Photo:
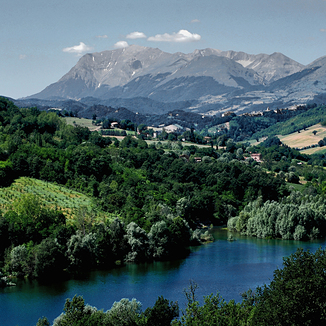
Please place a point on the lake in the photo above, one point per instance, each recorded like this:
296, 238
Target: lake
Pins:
229, 267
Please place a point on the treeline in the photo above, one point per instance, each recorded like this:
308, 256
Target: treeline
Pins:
38, 242
112, 132
295, 296
298, 217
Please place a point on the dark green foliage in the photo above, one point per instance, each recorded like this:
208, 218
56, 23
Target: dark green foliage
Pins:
296, 295
271, 141
243, 127
138, 241
50, 260
30, 221
43, 322
81, 252
6, 173
162, 313
160, 241
216, 311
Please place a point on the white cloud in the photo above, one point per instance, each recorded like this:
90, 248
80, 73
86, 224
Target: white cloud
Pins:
135, 35
323, 30
79, 49
195, 21
121, 44
22, 56
102, 36
182, 36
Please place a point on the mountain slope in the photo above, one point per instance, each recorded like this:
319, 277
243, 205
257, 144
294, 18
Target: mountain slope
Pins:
207, 80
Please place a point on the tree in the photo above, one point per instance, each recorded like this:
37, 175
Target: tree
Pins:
138, 241
81, 251
124, 313
162, 313
76, 313
50, 260
214, 311
142, 127
6, 173
18, 260
43, 322
314, 132
297, 293
180, 235
293, 177
159, 240
118, 240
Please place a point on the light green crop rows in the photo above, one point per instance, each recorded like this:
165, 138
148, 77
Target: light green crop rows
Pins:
52, 195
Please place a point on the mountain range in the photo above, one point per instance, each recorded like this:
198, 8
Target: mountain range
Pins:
149, 81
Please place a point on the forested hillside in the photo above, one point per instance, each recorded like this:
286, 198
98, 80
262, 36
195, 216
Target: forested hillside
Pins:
295, 124
150, 201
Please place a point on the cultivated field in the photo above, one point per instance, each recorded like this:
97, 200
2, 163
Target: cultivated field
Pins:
52, 195
314, 150
305, 137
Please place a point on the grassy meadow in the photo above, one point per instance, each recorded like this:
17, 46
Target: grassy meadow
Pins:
82, 122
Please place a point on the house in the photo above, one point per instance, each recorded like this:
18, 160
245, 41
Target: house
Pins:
256, 157
173, 128
114, 125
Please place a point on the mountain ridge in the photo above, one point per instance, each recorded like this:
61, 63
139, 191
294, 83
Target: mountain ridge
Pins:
209, 80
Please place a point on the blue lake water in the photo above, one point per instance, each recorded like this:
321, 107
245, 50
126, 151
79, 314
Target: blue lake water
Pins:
228, 267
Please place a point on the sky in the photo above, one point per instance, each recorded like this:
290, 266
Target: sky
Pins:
40, 40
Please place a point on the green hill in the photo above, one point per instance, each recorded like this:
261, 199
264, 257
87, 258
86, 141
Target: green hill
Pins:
295, 124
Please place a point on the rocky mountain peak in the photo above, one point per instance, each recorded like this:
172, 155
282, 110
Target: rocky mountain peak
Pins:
207, 80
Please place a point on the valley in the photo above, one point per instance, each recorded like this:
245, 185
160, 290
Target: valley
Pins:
107, 175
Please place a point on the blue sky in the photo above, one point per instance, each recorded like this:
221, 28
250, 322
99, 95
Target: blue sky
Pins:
42, 40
